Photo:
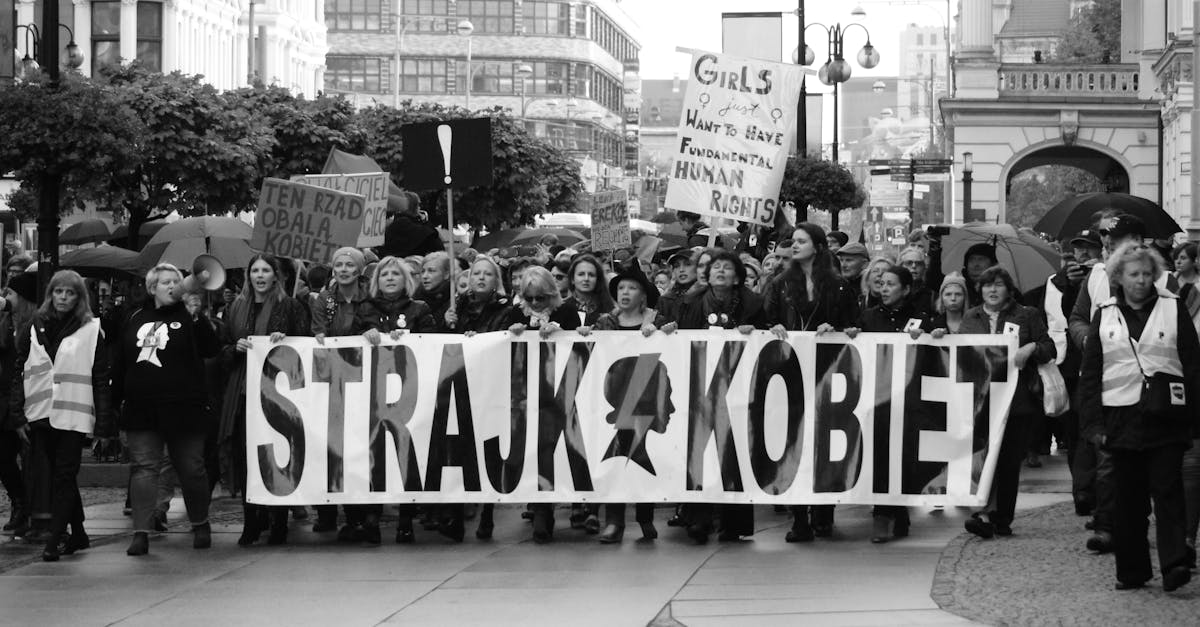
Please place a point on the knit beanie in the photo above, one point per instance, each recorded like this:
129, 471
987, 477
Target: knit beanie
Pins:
25, 285
354, 254
953, 279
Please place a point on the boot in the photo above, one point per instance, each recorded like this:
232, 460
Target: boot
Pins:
140, 544
543, 523
202, 536
77, 541
252, 524
326, 519
612, 534
882, 530
279, 526
486, 522
18, 518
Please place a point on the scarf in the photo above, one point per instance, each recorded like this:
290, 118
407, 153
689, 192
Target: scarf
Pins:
242, 321
537, 319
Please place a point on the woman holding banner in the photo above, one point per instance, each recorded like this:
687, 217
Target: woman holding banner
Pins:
895, 313
261, 309
1137, 386
542, 308
332, 315
391, 309
724, 302
809, 296
587, 296
482, 309
635, 297
999, 313
434, 287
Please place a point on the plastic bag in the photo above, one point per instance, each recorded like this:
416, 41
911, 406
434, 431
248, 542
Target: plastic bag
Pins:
1055, 399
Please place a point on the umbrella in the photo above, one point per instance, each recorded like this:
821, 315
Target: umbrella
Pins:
664, 217
1075, 214
120, 235
89, 231
179, 243
525, 235
1029, 258
101, 261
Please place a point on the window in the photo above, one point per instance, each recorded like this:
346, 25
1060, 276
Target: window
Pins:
106, 34
488, 16
607, 91
488, 77
426, 76
424, 8
547, 18
149, 35
353, 15
933, 39
609, 37
548, 78
920, 39
354, 74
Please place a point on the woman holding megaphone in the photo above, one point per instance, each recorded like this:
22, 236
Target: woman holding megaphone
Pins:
158, 376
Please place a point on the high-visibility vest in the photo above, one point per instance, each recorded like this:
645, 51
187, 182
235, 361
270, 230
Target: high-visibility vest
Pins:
1157, 349
1056, 320
60, 390
1100, 290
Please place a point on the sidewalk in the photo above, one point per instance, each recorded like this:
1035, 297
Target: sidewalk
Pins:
843, 580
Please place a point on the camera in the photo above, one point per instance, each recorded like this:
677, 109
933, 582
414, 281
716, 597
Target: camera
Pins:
937, 230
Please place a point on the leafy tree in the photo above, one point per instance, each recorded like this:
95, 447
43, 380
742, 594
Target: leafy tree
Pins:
1035, 191
820, 184
1093, 35
76, 131
529, 176
202, 153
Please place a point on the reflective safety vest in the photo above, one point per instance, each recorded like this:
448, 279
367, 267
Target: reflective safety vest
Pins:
1100, 290
1056, 320
1157, 349
61, 389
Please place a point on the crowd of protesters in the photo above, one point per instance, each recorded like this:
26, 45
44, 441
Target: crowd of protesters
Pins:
167, 370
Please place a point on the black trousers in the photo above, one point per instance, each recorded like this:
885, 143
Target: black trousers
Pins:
1093, 483
63, 451
1141, 477
11, 448
1002, 504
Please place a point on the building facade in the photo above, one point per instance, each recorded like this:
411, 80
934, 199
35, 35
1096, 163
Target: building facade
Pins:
922, 68
198, 37
569, 69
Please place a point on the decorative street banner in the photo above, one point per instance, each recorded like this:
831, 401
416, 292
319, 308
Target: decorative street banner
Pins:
696, 416
305, 221
738, 124
610, 220
373, 187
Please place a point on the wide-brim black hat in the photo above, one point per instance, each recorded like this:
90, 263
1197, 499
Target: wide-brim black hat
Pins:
633, 272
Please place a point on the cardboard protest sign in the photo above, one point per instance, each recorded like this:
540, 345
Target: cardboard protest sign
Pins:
373, 187
450, 154
305, 221
738, 124
695, 416
610, 220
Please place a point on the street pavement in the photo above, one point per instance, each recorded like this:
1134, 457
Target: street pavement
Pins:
1035, 577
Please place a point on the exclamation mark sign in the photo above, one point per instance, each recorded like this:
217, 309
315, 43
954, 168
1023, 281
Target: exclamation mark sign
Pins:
445, 138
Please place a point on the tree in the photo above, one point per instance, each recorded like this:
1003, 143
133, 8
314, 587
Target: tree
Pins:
77, 131
820, 184
1035, 191
1093, 35
201, 152
529, 176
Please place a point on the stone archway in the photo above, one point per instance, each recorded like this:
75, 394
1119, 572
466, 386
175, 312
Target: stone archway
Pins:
1099, 170
1103, 166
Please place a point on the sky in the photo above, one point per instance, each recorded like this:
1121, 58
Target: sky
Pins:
667, 24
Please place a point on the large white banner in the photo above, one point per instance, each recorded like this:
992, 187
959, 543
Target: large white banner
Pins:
697, 416
737, 127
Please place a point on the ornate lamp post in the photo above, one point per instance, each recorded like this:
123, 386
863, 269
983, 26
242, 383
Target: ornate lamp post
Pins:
968, 172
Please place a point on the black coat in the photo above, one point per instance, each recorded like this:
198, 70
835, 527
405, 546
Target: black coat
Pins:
484, 317
785, 303
405, 236
700, 310
391, 314
1031, 328
565, 316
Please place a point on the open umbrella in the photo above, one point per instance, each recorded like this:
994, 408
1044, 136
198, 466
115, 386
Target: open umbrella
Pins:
525, 235
179, 243
1075, 214
101, 261
90, 231
1029, 258
120, 235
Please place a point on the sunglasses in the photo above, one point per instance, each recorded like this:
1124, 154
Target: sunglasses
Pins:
1103, 232
536, 298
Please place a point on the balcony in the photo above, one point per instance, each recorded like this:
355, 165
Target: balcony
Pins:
1042, 80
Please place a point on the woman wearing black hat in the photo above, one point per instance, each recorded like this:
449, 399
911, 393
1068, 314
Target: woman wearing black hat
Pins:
635, 297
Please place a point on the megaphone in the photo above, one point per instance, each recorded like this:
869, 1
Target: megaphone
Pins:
207, 274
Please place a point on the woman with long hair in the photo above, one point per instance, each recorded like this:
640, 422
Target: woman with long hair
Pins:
19, 304
434, 286
809, 296
62, 398
587, 296
723, 302
160, 384
263, 308
635, 299
541, 308
871, 282
1000, 313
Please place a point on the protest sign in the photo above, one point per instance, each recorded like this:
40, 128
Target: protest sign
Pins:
695, 416
371, 186
738, 124
305, 221
610, 220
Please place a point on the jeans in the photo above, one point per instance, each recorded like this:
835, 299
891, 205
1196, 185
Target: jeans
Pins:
1191, 489
187, 455
1142, 476
167, 480
63, 451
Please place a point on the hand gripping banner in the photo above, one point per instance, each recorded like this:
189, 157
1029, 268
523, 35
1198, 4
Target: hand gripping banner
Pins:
696, 416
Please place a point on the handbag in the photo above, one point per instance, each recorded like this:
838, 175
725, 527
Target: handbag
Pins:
1162, 393
1055, 398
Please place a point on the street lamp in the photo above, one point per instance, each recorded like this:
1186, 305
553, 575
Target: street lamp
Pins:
968, 171
464, 29
33, 40
402, 24
837, 70
522, 72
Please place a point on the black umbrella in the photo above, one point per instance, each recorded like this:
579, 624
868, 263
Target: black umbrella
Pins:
1075, 214
664, 217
